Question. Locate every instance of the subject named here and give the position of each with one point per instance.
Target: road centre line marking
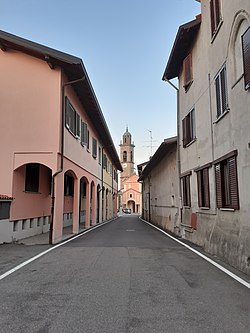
(4, 275)
(223, 269)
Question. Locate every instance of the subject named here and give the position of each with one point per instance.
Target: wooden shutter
(66, 112)
(218, 185)
(184, 132)
(94, 147)
(187, 70)
(188, 191)
(224, 99)
(218, 96)
(84, 133)
(206, 202)
(233, 183)
(217, 12)
(212, 17)
(77, 125)
(215, 15)
(199, 183)
(246, 57)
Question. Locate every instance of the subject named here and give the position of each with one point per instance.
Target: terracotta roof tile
(5, 197)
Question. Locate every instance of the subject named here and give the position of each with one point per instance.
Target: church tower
(126, 157)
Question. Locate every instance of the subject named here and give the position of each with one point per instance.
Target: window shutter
(94, 147)
(212, 17)
(87, 138)
(84, 137)
(188, 191)
(77, 125)
(67, 112)
(224, 99)
(184, 132)
(206, 187)
(246, 57)
(187, 70)
(218, 185)
(217, 12)
(233, 183)
(199, 182)
(218, 96)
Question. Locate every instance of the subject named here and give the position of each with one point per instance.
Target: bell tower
(126, 157)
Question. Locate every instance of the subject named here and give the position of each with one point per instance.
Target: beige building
(160, 203)
(211, 59)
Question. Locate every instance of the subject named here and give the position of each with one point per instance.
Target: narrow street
(122, 277)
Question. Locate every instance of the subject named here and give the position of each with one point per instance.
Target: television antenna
(151, 146)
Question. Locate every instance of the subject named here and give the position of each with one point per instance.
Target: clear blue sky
(124, 45)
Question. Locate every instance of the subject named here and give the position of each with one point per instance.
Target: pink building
(58, 161)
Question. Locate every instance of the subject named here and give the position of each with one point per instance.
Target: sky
(125, 45)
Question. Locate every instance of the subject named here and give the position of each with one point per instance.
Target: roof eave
(161, 152)
(184, 38)
(74, 69)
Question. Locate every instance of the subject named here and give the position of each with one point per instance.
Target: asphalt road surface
(122, 277)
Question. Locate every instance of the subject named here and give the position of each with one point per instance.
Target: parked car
(126, 210)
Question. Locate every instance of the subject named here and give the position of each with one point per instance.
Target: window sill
(221, 116)
(190, 143)
(216, 31)
(187, 86)
(227, 209)
(75, 136)
(204, 208)
(186, 207)
(237, 81)
(32, 192)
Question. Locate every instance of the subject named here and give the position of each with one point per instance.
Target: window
(226, 183)
(131, 195)
(186, 190)
(72, 119)
(84, 133)
(32, 177)
(188, 128)
(124, 156)
(215, 13)
(94, 147)
(4, 210)
(188, 73)
(246, 57)
(203, 188)
(131, 156)
(100, 155)
(87, 139)
(68, 185)
(221, 92)
(105, 161)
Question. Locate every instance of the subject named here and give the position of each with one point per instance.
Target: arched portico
(98, 201)
(92, 204)
(131, 205)
(84, 203)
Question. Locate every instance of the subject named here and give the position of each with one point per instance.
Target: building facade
(60, 166)
(211, 58)
(160, 198)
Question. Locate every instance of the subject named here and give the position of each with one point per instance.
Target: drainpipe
(61, 159)
(178, 145)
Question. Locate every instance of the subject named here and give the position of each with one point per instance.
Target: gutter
(61, 158)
